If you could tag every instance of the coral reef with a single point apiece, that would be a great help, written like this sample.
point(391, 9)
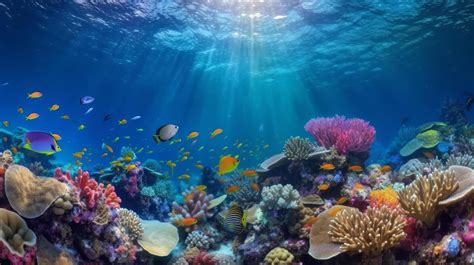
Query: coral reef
point(297, 148)
point(279, 197)
point(279, 256)
point(14, 233)
point(131, 222)
point(199, 240)
point(195, 206)
point(460, 160)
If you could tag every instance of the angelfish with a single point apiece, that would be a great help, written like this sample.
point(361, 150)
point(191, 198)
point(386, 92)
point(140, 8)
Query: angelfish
point(41, 142)
point(165, 133)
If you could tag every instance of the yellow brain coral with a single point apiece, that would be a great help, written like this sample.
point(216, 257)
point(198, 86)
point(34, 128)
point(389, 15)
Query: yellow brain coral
point(387, 196)
point(279, 256)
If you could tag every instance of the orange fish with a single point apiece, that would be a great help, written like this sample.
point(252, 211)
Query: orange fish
point(32, 116)
point(310, 222)
point(54, 107)
point(20, 110)
point(233, 188)
point(216, 132)
point(36, 94)
point(327, 166)
point(193, 135)
point(358, 186)
point(249, 173)
point(428, 154)
point(386, 168)
point(189, 197)
point(342, 200)
point(323, 186)
point(356, 168)
point(254, 186)
point(334, 211)
point(186, 222)
point(14, 149)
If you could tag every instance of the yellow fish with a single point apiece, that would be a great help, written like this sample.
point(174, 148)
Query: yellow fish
point(54, 107)
point(65, 117)
point(32, 116)
point(199, 166)
point(193, 135)
point(201, 187)
point(20, 110)
point(36, 94)
point(130, 167)
point(184, 177)
point(239, 145)
point(216, 132)
point(56, 136)
point(78, 154)
point(227, 164)
point(109, 148)
point(184, 158)
point(104, 154)
point(127, 158)
point(6, 123)
point(122, 122)
point(81, 127)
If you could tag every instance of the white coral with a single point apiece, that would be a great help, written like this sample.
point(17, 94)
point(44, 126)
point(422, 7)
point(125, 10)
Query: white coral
point(279, 197)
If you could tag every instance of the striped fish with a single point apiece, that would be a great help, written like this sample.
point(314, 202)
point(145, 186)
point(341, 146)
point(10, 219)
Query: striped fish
point(235, 219)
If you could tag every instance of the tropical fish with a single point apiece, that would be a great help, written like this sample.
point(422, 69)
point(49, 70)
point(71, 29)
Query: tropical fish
point(356, 168)
point(32, 116)
point(116, 139)
point(126, 137)
point(130, 167)
point(386, 168)
point(140, 130)
point(41, 142)
point(20, 110)
point(334, 211)
point(199, 166)
point(65, 117)
point(254, 186)
point(239, 145)
point(165, 133)
point(104, 154)
point(309, 223)
point(6, 123)
point(232, 189)
point(54, 107)
point(78, 163)
point(89, 111)
point(127, 158)
point(189, 196)
point(342, 200)
point(201, 187)
point(186, 222)
point(227, 164)
point(428, 154)
point(358, 186)
point(140, 150)
point(216, 132)
point(170, 164)
point(136, 118)
point(56, 136)
point(14, 149)
point(225, 148)
point(184, 177)
point(323, 187)
point(107, 117)
point(78, 155)
point(200, 148)
point(108, 147)
point(193, 135)
point(184, 158)
point(36, 94)
point(327, 166)
point(122, 122)
point(235, 219)
point(266, 146)
point(86, 100)
point(81, 127)
point(249, 173)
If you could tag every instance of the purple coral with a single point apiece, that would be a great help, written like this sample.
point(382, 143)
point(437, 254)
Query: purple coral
point(346, 135)
point(195, 205)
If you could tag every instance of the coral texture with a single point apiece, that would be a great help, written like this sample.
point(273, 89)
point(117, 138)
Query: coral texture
point(195, 206)
point(279, 256)
point(297, 148)
point(14, 233)
point(158, 238)
point(280, 197)
point(131, 222)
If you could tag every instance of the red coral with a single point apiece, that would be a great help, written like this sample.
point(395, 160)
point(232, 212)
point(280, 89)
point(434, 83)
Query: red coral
point(204, 258)
point(111, 198)
point(27, 259)
point(346, 135)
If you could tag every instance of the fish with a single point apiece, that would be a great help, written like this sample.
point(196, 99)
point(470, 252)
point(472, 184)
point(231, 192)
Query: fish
point(6, 123)
point(239, 145)
point(107, 117)
point(428, 154)
point(40, 142)
point(165, 133)
point(266, 146)
point(54, 107)
point(227, 164)
point(184, 158)
point(5, 84)
point(254, 186)
point(20, 110)
point(201, 187)
point(65, 117)
point(140, 130)
point(136, 118)
point(14, 149)
point(130, 167)
point(127, 158)
point(189, 196)
point(78, 154)
point(78, 163)
point(104, 154)
point(140, 150)
point(356, 168)
point(184, 177)
point(232, 189)
point(327, 166)
point(225, 148)
point(116, 139)
point(342, 200)
point(309, 223)
point(56, 136)
point(122, 122)
point(324, 186)
point(358, 186)
point(469, 102)
point(86, 100)
point(235, 219)
point(200, 148)
point(36, 94)
point(186, 222)
point(386, 168)
point(216, 132)
point(81, 127)
point(89, 111)
point(108, 147)
point(199, 166)
point(192, 135)
point(126, 137)
point(249, 173)
point(334, 211)
point(32, 116)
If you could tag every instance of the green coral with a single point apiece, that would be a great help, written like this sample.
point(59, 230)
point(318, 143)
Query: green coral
point(435, 125)
point(430, 138)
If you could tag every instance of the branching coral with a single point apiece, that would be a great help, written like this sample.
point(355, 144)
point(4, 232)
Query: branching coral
point(369, 233)
point(280, 197)
point(421, 198)
point(195, 206)
point(297, 148)
point(131, 222)
point(246, 195)
point(460, 160)
point(346, 135)
point(199, 240)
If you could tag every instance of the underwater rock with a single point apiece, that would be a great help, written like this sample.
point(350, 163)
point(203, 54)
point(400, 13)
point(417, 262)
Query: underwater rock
point(159, 238)
point(29, 195)
point(14, 232)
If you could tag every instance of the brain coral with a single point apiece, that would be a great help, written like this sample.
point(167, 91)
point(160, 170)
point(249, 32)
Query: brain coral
point(279, 256)
point(14, 233)
point(29, 195)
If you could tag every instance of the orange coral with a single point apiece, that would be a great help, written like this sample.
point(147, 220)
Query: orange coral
point(387, 196)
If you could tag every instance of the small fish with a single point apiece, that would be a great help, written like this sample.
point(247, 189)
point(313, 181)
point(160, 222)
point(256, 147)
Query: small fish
point(200, 148)
point(108, 147)
point(254, 186)
point(227, 164)
point(170, 164)
point(81, 127)
point(14, 149)
point(89, 111)
point(386, 168)
point(127, 158)
point(192, 135)
point(104, 154)
point(54, 107)
point(309, 223)
point(327, 166)
point(20, 110)
point(56, 136)
point(140, 150)
point(232, 189)
point(186, 222)
point(78, 155)
point(116, 139)
point(122, 122)
point(323, 187)
point(136, 118)
point(107, 117)
point(6, 123)
point(5, 84)
point(239, 145)
point(334, 211)
point(428, 154)
point(65, 117)
point(184, 158)
point(216, 132)
point(126, 137)
point(78, 163)
point(32, 116)
point(40, 142)
point(140, 130)
point(235, 219)
point(36, 94)
point(225, 148)
point(130, 167)
point(266, 146)
point(86, 100)
point(249, 173)
point(189, 196)
point(342, 200)
point(356, 168)
point(185, 177)
point(201, 187)
point(165, 133)
point(469, 102)
point(358, 186)
point(199, 166)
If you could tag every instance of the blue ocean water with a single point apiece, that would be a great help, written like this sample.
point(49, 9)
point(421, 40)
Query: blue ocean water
point(257, 69)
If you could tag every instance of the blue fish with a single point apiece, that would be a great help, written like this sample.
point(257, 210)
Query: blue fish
point(87, 100)
point(41, 142)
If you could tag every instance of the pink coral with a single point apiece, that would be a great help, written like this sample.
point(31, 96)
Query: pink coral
point(346, 135)
point(204, 259)
point(468, 236)
point(27, 259)
point(132, 186)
